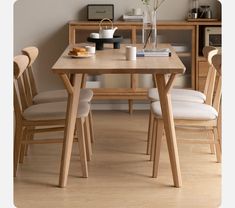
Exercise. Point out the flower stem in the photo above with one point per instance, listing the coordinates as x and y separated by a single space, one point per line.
150 32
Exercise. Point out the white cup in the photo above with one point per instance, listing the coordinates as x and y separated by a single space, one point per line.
192 15
90 49
95 35
136 11
130 53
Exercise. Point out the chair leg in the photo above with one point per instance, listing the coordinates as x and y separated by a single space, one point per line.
153 139
30 138
91 126
158 140
23 148
87 139
219 125
17 145
150 129
217 145
82 147
211 137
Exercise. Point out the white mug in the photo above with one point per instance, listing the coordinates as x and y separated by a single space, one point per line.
130 53
90 49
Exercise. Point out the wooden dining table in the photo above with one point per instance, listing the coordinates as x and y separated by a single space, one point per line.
113 61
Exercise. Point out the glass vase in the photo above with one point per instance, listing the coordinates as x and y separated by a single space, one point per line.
149 30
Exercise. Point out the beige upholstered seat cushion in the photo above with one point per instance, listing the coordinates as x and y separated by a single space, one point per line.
61 95
179 95
51 111
188 110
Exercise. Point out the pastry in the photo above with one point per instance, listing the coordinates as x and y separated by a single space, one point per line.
78 51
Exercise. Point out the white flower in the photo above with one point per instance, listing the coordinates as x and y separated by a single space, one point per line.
156 3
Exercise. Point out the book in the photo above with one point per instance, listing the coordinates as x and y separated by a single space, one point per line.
127 17
155 52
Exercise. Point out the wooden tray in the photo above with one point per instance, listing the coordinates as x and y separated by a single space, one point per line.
99 42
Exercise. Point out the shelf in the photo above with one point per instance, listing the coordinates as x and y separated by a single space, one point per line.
203 20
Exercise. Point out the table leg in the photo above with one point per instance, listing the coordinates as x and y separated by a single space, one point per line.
73 89
134 84
167 115
130 105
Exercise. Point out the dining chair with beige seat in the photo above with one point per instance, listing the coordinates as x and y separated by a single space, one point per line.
187 95
45 115
86 94
36 97
195 116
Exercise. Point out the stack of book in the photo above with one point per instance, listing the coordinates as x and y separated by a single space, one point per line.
155 52
135 18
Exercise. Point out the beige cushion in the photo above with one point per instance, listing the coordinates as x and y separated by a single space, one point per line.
51 111
188 110
61 95
179 95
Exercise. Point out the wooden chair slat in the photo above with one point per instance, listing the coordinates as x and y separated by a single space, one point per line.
32 53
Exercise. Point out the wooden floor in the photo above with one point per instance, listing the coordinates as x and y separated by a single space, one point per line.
120 172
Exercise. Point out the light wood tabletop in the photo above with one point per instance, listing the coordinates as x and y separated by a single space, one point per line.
113 61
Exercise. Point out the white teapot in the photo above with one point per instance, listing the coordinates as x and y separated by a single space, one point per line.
106 32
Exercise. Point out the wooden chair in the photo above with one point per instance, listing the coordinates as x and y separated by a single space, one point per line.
36 97
198 116
187 95
46 115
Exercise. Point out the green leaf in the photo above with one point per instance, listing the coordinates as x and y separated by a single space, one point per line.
145 2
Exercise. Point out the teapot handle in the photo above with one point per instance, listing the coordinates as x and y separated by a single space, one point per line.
103 20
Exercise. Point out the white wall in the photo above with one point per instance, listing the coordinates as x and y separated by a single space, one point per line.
43 23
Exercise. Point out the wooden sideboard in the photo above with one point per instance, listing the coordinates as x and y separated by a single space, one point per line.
135 92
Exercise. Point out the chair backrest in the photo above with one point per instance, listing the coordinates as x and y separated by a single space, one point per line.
208 53
32 53
20 101
216 63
